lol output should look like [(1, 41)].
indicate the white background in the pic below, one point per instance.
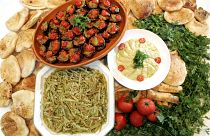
[(10, 7)]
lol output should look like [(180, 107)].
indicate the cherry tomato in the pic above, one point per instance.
[(146, 106), (136, 119), (158, 60), (152, 117), (125, 104), (121, 46), (140, 78), (120, 121), (121, 68), (142, 40)]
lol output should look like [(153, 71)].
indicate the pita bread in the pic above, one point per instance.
[(142, 8), (7, 44), (33, 18), (23, 103), (13, 125), (170, 5), (25, 40), (131, 20), (167, 88), (177, 72), (10, 70), (18, 20), (5, 94), (26, 60), (34, 4), (126, 5), (157, 9), (190, 5), (201, 15), (27, 83), (32, 130), (197, 28), (54, 3), (180, 17)]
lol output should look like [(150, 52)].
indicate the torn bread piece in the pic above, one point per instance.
[(32, 129), (23, 103), (180, 17), (25, 40), (198, 28), (170, 5), (10, 70), (33, 18), (18, 20), (160, 96), (54, 3), (131, 20), (13, 125), (142, 8), (201, 15), (34, 4), (164, 104), (167, 88), (27, 83), (5, 94), (7, 44), (26, 60), (178, 71)]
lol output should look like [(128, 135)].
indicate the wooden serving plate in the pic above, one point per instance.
[(109, 46)]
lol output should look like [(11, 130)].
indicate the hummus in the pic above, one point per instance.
[(138, 58)]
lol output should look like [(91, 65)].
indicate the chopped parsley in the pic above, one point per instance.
[(80, 21), (139, 58)]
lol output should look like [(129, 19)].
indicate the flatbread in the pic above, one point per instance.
[(131, 20), (32, 129), (13, 125), (18, 20), (7, 44), (177, 72), (170, 5), (142, 8), (34, 4), (126, 4), (23, 103), (26, 60), (33, 18), (54, 3), (5, 94), (10, 70), (180, 17), (197, 28), (25, 40)]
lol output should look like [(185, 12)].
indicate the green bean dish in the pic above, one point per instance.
[(75, 101)]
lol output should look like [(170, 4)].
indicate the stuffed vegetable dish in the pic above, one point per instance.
[(79, 31)]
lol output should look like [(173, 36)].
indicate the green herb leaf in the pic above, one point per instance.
[(80, 21), (139, 59)]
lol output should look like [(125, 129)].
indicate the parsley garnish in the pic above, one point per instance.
[(139, 58), (80, 21)]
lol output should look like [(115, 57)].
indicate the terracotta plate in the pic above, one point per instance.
[(109, 46)]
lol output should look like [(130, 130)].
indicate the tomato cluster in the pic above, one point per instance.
[(63, 40), (144, 108)]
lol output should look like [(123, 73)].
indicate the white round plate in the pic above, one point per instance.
[(162, 71)]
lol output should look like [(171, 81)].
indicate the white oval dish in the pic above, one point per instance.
[(43, 73), (160, 74)]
